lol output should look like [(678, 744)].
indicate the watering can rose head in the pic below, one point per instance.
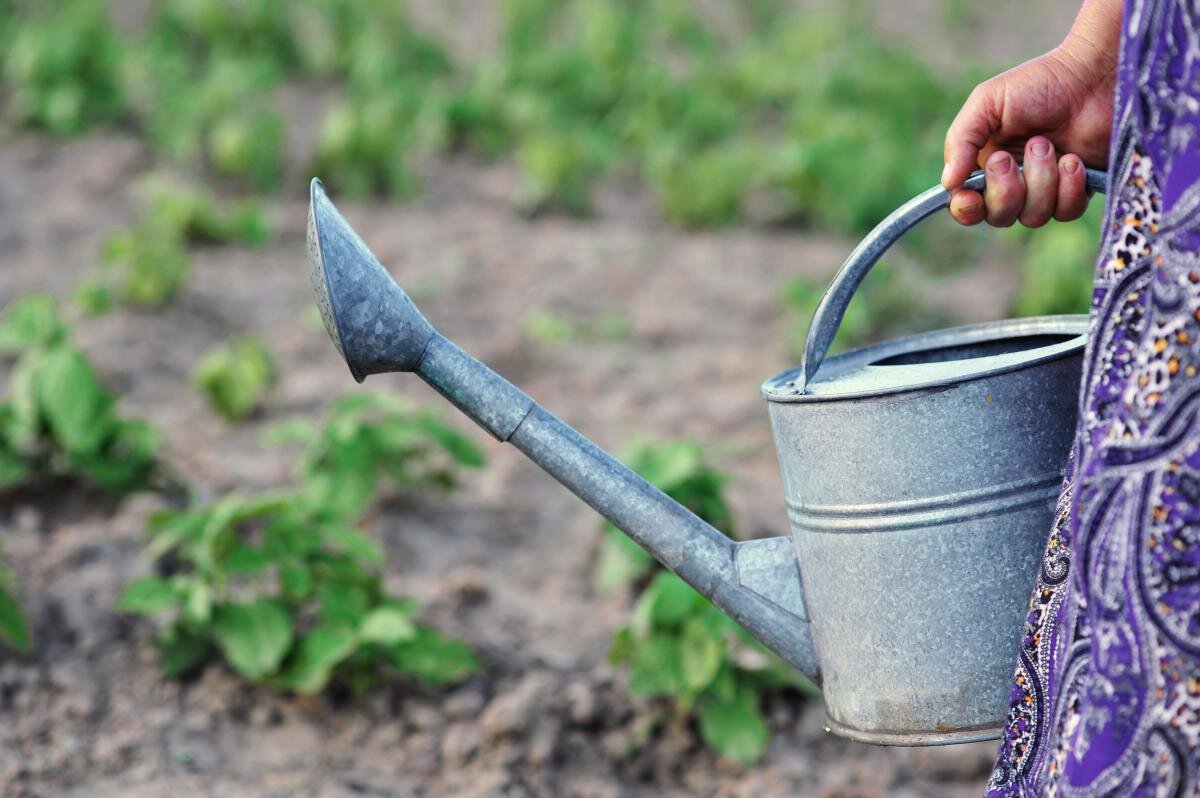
[(920, 476)]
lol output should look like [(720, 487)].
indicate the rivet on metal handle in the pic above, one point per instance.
[(832, 307)]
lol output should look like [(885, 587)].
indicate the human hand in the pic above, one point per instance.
[(1055, 112)]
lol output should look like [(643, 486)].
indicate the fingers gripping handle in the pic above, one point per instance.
[(832, 307)]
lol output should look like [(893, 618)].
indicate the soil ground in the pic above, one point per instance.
[(504, 562)]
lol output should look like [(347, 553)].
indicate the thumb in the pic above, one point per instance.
[(968, 135)]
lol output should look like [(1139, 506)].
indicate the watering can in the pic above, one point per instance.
[(920, 477)]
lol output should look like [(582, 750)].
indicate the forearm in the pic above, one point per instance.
[(1094, 40)]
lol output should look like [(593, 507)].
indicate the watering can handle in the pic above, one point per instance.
[(832, 307)]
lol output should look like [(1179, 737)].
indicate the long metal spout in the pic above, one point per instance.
[(377, 328)]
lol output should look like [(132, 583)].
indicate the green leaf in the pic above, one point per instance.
[(356, 543), (667, 602), (23, 421), (296, 580), (246, 559), (74, 403), (317, 654), (734, 729), (30, 321), (147, 596), (461, 448), (13, 470), (434, 658), (254, 637), (342, 605), (621, 562), (235, 377), (387, 625), (701, 655), (13, 630), (184, 649), (656, 668)]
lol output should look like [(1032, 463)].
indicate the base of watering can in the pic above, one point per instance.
[(972, 734)]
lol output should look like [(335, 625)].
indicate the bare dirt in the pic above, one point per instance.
[(505, 562)]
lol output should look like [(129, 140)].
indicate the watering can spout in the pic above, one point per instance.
[(377, 328)]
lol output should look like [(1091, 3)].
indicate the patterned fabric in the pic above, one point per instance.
[(1106, 697)]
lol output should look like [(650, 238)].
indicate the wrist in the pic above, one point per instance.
[(1094, 41)]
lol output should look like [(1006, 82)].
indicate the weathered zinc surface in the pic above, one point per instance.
[(919, 473)]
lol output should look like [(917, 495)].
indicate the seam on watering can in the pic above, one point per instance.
[(926, 511)]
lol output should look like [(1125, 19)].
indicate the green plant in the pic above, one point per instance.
[(146, 265), (1056, 271), (198, 217), (681, 470), (13, 630), (283, 585), (815, 111), (682, 648), (286, 598), (369, 435), (62, 68), (249, 146), (235, 377), (58, 419), (552, 328), (679, 647)]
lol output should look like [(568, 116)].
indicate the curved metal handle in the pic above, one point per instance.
[(832, 307)]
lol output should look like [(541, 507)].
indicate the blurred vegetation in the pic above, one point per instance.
[(812, 115), (235, 377), (679, 648), (1057, 268), (14, 631), (284, 585), (58, 419), (146, 265), (816, 111), (368, 437)]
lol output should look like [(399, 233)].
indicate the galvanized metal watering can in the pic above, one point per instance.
[(920, 477)]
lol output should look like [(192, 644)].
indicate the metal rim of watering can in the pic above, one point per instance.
[(828, 316), (854, 374)]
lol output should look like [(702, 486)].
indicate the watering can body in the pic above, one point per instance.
[(919, 536), (920, 477)]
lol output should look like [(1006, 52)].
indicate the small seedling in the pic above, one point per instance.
[(284, 586), (285, 599), (58, 419), (61, 68), (367, 436), (679, 647), (235, 377), (682, 648), (146, 265)]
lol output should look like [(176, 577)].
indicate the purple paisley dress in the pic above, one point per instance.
[(1106, 696)]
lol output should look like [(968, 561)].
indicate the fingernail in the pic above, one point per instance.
[(999, 164), (1039, 148), (1070, 165), (970, 207), (945, 173)]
